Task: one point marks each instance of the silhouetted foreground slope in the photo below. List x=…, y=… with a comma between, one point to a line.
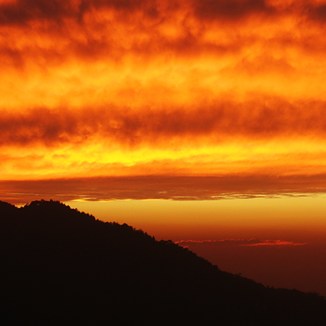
x=63, y=267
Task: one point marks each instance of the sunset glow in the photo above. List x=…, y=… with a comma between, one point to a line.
x=176, y=117
x=194, y=87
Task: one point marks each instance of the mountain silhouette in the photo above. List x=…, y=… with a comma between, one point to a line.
x=63, y=267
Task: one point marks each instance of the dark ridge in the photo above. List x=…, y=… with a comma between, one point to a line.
x=7, y=209
x=63, y=267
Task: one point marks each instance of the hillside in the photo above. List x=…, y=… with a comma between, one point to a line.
x=63, y=267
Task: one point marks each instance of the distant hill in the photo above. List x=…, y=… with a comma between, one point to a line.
x=63, y=267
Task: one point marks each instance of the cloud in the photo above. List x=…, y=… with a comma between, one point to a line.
x=216, y=122
x=317, y=12
x=274, y=243
x=161, y=86
x=230, y=9
x=240, y=242
x=21, y=11
x=160, y=187
x=24, y=11
x=60, y=31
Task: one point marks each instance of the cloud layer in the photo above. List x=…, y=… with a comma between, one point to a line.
x=20, y=11
x=162, y=187
x=240, y=242
x=106, y=87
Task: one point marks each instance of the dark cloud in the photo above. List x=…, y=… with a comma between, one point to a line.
x=230, y=9
x=25, y=10
x=163, y=187
x=265, y=119
x=317, y=12
x=22, y=11
x=126, y=32
x=240, y=242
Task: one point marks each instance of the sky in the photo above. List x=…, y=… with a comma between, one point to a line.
x=191, y=119
x=108, y=87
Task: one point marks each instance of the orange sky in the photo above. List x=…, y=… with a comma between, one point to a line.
x=186, y=87
x=157, y=113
